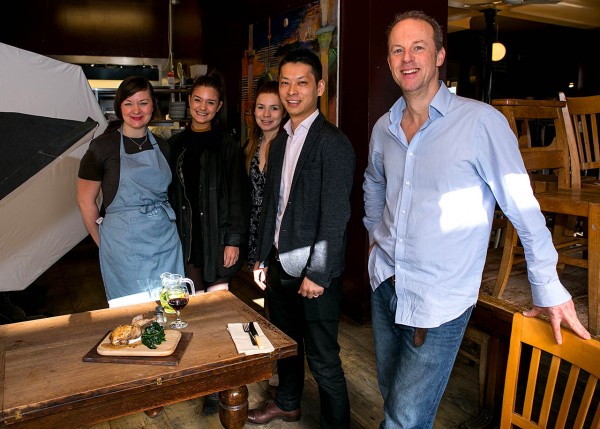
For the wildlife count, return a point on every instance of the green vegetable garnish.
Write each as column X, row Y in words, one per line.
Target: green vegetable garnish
column 153, row 335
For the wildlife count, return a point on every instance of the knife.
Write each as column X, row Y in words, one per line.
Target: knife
column 254, row 335
column 252, row 339
column 246, row 328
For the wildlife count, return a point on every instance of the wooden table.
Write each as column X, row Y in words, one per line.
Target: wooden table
column 584, row 203
column 45, row 384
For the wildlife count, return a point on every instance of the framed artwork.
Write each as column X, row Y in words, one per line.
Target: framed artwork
column 313, row 26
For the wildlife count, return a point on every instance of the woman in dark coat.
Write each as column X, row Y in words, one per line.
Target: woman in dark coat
column 209, row 191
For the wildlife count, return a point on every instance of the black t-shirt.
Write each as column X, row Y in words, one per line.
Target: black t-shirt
column 102, row 163
column 195, row 143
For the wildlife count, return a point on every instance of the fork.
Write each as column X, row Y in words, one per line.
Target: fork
column 246, row 328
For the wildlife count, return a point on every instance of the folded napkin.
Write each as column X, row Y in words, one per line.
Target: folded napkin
column 242, row 340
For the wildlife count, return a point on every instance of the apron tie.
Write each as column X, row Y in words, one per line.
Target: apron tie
column 152, row 205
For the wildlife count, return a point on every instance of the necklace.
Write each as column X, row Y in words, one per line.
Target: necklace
column 139, row 145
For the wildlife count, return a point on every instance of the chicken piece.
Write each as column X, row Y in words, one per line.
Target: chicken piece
column 121, row 335
column 124, row 334
column 142, row 320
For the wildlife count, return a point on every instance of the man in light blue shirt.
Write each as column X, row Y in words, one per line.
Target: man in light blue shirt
column 437, row 165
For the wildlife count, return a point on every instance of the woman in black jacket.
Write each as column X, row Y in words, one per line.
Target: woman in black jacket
column 208, row 191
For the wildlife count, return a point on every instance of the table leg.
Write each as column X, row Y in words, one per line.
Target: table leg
column 233, row 407
column 594, row 269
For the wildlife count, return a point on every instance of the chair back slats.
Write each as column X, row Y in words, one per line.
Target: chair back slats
column 520, row 422
column 510, row 386
column 562, row 388
column 569, row 390
column 584, row 117
column 540, row 155
column 586, row 403
column 551, row 380
column 586, row 133
column 596, row 421
column 585, row 353
column 531, row 383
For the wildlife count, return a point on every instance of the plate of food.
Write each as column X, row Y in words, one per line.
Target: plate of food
column 143, row 337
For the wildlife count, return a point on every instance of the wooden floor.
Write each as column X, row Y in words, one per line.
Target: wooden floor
column 74, row 285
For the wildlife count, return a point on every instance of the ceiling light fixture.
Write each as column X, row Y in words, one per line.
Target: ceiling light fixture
column 498, row 49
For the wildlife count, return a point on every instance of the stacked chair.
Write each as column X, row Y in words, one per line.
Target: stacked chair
column 555, row 173
column 582, row 127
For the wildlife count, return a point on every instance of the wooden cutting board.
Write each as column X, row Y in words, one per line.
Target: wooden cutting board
column 166, row 348
column 172, row 359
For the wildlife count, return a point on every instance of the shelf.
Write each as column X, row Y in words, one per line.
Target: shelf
column 168, row 122
column 167, row 90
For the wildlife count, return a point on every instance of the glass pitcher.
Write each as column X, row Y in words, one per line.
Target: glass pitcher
column 169, row 280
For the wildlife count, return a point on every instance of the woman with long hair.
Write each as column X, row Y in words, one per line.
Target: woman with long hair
column 268, row 118
column 209, row 190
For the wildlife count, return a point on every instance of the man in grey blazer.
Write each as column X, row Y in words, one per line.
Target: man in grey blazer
column 301, row 244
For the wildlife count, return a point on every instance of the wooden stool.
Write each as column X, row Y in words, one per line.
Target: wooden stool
column 483, row 340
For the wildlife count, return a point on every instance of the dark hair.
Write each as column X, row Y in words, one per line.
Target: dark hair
column 215, row 82
column 268, row 87
column 133, row 85
column 304, row 56
column 212, row 81
column 438, row 34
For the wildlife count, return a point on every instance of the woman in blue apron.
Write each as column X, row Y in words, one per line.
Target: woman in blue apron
column 137, row 235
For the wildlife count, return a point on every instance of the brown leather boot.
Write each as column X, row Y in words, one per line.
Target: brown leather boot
column 269, row 411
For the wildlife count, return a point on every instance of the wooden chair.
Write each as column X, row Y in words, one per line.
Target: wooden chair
column 541, row 155
column 568, row 200
column 582, row 126
column 480, row 357
column 548, row 166
column 558, row 393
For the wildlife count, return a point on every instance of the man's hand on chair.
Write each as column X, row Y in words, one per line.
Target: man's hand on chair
column 564, row 312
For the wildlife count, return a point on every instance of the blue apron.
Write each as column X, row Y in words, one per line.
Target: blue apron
column 138, row 236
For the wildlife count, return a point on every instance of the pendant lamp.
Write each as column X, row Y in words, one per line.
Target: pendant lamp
column 498, row 51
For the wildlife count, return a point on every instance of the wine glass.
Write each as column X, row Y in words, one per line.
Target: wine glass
column 178, row 297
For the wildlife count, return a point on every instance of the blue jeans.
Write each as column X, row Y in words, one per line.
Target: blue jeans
column 411, row 379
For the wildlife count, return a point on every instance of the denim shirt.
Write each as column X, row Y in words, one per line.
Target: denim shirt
column 429, row 207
